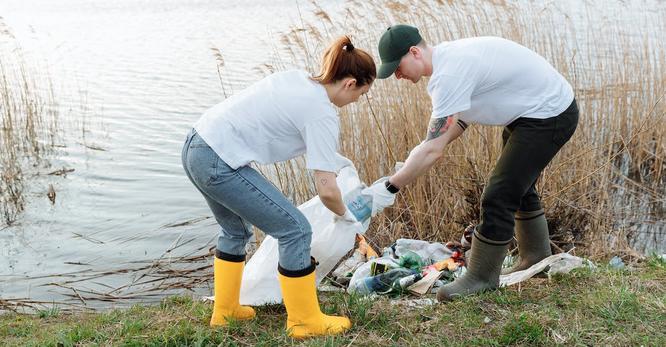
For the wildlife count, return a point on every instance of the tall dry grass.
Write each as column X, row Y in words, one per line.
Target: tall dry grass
column 606, row 183
column 28, row 127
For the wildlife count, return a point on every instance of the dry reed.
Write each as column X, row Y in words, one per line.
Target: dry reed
column 28, row 127
column 607, row 182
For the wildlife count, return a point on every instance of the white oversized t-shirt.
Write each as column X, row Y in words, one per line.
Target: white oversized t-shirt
column 493, row 81
column 278, row 118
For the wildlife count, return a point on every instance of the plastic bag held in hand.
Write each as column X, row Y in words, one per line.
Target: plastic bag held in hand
column 348, row 217
column 381, row 197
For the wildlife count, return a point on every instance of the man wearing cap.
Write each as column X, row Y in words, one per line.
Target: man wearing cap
column 488, row 81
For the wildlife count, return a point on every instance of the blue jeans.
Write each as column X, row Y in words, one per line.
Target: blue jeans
column 243, row 197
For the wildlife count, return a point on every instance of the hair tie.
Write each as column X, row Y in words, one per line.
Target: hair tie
column 348, row 47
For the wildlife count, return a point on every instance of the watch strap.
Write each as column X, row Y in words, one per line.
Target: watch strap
column 391, row 188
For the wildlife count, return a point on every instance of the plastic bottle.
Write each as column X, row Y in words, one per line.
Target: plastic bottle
column 411, row 260
column 405, row 282
column 359, row 204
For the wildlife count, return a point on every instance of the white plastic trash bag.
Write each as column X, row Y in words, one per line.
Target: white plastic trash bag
column 330, row 242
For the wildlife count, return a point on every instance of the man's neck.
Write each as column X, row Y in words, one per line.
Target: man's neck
column 427, row 57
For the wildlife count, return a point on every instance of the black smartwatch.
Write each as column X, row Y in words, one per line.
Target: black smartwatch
column 391, row 188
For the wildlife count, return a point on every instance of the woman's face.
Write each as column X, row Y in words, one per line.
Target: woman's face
column 352, row 93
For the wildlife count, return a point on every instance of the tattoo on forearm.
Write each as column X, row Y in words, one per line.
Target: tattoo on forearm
column 323, row 181
column 438, row 126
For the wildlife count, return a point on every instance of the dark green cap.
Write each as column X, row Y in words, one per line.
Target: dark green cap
column 393, row 45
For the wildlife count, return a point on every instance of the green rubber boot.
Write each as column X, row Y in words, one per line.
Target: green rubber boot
column 533, row 240
column 483, row 269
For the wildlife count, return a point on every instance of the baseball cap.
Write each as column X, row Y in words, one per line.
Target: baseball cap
column 393, row 45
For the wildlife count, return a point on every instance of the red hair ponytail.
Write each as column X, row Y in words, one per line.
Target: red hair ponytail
column 341, row 59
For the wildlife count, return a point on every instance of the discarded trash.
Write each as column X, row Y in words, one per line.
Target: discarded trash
column 329, row 288
column 414, row 303
column 616, row 263
column 343, row 273
column 424, row 285
column 509, row 260
column 383, row 283
column 392, row 275
column 442, row 264
column 466, row 239
column 410, row 260
column 409, row 280
column 365, row 271
column 365, row 248
column 558, row 263
column 428, row 252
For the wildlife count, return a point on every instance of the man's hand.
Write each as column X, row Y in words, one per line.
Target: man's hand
column 381, row 197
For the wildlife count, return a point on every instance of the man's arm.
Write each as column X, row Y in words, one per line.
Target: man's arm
column 441, row 131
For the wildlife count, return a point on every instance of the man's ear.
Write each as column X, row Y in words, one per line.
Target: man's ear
column 415, row 51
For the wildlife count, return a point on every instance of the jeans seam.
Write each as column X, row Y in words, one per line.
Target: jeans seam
column 303, row 246
column 294, row 220
column 247, row 232
column 185, row 156
column 214, row 176
column 270, row 200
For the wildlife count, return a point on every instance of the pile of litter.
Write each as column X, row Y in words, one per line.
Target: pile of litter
column 408, row 265
column 419, row 267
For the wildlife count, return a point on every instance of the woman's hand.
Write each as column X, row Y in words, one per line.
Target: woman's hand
column 348, row 217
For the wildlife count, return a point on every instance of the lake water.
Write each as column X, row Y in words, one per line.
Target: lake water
column 132, row 76
column 143, row 71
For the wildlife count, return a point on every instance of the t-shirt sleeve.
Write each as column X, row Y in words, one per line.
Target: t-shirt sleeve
column 451, row 88
column 321, row 144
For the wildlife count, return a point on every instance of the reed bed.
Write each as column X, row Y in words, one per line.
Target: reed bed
column 29, row 124
column 605, row 187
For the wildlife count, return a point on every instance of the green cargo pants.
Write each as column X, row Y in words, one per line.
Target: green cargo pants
column 528, row 146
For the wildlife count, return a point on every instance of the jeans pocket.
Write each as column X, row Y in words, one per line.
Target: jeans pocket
column 198, row 142
column 221, row 172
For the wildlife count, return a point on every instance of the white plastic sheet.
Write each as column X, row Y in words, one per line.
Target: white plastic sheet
column 557, row 263
column 330, row 242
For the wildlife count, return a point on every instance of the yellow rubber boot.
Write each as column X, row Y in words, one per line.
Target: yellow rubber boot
column 228, row 272
column 304, row 318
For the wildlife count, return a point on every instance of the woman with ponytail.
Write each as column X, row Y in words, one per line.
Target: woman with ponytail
column 282, row 116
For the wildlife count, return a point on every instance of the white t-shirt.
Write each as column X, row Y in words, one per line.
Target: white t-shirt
column 493, row 81
column 276, row 119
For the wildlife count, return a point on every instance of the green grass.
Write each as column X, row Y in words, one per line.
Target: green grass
column 586, row 307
